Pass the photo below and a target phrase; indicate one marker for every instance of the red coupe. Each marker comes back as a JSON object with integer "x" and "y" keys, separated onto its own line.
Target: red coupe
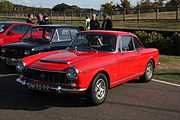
{"x": 94, "y": 62}
{"x": 11, "y": 32}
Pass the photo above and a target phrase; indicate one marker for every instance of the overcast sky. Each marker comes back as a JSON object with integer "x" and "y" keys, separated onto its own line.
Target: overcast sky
{"x": 81, "y": 3}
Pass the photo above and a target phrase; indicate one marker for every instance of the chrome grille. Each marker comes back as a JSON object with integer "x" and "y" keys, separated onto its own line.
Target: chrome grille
{"x": 46, "y": 76}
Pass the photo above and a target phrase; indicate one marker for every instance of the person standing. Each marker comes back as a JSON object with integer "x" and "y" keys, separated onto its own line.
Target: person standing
{"x": 94, "y": 24}
{"x": 107, "y": 23}
{"x": 87, "y": 23}
{"x": 30, "y": 18}
{"x": 40, "y": 19}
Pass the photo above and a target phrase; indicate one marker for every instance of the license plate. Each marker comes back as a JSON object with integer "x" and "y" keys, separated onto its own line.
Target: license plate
{"x": 11, "y": 61}
{"x": 38, "y": 86}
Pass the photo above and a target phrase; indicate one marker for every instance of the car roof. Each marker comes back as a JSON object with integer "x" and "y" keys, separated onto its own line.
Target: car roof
{"x": 108, "y": 32}
{"x": 57, "y": 26}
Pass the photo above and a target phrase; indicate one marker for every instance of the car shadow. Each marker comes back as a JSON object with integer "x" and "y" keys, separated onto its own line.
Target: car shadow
{"x": 15, "y": 97}
{"x": 135, "y": 81}
{"x": 5, "y": 70}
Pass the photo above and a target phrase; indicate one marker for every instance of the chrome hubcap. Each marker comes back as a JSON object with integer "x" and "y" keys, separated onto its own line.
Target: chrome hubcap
{"x": 100, "y": 89}
{"x": 149, "y": 70}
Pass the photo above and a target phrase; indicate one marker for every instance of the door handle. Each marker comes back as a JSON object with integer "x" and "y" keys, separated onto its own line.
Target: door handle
{"x": 137, "y": 53}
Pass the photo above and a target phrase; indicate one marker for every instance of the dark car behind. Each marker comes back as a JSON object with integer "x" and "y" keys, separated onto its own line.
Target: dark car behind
{"x": 39, "y": 39}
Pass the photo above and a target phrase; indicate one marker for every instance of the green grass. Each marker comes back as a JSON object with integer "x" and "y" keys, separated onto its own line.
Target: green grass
{"x": 142, "y": 25}
{"x": 169, "y": 70}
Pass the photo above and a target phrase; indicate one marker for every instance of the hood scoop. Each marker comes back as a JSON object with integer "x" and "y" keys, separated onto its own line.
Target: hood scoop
{"x": 54, "y": 61}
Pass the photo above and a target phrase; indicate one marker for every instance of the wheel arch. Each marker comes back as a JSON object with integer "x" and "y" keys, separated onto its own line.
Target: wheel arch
{"x": 105, "y": 73}
{"x": 151, "y": 59}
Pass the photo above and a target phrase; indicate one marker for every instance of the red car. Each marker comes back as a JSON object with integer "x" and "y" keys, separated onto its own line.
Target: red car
{"x": 94, "y": 62}
{"x": 11, "y": 32}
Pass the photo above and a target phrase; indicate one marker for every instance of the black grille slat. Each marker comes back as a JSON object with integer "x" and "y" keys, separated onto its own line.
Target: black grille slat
{"x": 45, "y": 76}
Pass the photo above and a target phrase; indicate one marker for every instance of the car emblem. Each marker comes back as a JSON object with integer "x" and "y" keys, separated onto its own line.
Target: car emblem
{"x": 43, "y": 76}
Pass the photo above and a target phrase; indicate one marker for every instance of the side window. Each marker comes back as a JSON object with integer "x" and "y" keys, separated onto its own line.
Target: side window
{"x": 19, "y": 29}
{"x": 127, "y": 43}
{"x": 64, "y": 35}
{"x": 73, "y": 32}
{"x": 138, "y": 44}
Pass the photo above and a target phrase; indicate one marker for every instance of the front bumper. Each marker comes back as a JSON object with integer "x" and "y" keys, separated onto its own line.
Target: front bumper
{"x": 58, "y": 89}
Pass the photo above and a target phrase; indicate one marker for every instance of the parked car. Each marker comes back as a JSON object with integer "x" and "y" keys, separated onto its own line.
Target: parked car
{"x": 38, "y": 39}
{"x": 94, "y": 62}
{"x": 11, "y": 32}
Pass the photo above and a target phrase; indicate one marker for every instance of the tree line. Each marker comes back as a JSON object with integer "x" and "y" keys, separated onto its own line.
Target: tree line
{"x": 126, "y": 4}
{"x": 6, "y": 6}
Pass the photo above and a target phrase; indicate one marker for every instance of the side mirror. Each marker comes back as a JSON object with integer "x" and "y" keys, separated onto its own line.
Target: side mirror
{"x": 11, "y": 33}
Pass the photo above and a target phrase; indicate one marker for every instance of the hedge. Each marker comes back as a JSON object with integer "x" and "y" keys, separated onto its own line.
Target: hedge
{"x": 166, "y": 45}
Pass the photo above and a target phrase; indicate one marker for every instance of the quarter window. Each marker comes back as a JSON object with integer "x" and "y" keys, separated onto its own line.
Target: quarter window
{"x": 64, "y": 35}
{"x": 73, "y": 32}
{"x": 138, "y": 44}
{"x": 127, "y": 43}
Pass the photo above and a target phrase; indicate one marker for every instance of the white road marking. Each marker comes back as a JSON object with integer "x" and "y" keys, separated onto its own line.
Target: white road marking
{"x": 177, "y": 85}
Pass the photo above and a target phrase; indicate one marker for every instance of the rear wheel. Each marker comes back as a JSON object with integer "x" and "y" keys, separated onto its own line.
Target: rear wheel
{"x": 147, "y": 76}
{"x": 98, "y": 90}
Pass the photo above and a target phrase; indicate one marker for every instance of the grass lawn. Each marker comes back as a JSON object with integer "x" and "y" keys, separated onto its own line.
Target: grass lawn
{"x": 161, "y": 25}
{"x": 169, "y": 70}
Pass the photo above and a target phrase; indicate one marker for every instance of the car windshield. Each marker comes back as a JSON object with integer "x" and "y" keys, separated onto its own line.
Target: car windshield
{"x": 39, "y": 34}
{"x": 94, "y": 42}
{"x": 3, "y": 27}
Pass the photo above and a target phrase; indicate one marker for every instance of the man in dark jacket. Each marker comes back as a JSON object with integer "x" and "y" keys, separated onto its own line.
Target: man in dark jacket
{"x": 30, "y": 17}
{"x": 107, "y": 23}
{"x": 40, "y": 19}
{"x": 94, "y": 24}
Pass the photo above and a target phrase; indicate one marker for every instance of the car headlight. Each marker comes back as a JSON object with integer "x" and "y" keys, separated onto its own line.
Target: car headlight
{"x": 20, "y": 66}
{"x": 27, "y": 52}
{"x": 72, "y": 73}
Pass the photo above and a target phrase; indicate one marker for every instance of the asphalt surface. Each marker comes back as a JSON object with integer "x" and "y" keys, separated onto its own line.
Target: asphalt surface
{"x": 129, "y": 101}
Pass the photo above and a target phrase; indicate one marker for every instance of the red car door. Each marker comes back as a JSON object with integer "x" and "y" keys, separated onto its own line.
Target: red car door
{"x": 127, "y": 59}
{"x": 141, "y": 57}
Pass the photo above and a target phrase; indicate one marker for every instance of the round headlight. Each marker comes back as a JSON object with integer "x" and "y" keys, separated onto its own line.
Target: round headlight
{"x": 21, "y": 66}
{"x": 72, "y": 73}
{"x": 27, "y": 52}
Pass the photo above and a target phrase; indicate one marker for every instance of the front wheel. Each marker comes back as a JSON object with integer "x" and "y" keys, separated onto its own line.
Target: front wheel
{"x": 147, "y": 76}
{"x": 98, "y": 89}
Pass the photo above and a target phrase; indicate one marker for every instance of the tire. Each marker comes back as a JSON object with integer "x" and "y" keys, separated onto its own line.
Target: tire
{"x": 98, "y": 89}
{"x": 147, "y": 76}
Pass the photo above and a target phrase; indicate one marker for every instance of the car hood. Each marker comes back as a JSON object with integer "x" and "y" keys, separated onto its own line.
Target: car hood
{"x": 61, "y": 60}
{"x": 22, "y": 45}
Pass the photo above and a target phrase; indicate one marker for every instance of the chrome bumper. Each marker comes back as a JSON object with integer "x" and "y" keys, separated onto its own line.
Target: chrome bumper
{"x": 58, "y": 89}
